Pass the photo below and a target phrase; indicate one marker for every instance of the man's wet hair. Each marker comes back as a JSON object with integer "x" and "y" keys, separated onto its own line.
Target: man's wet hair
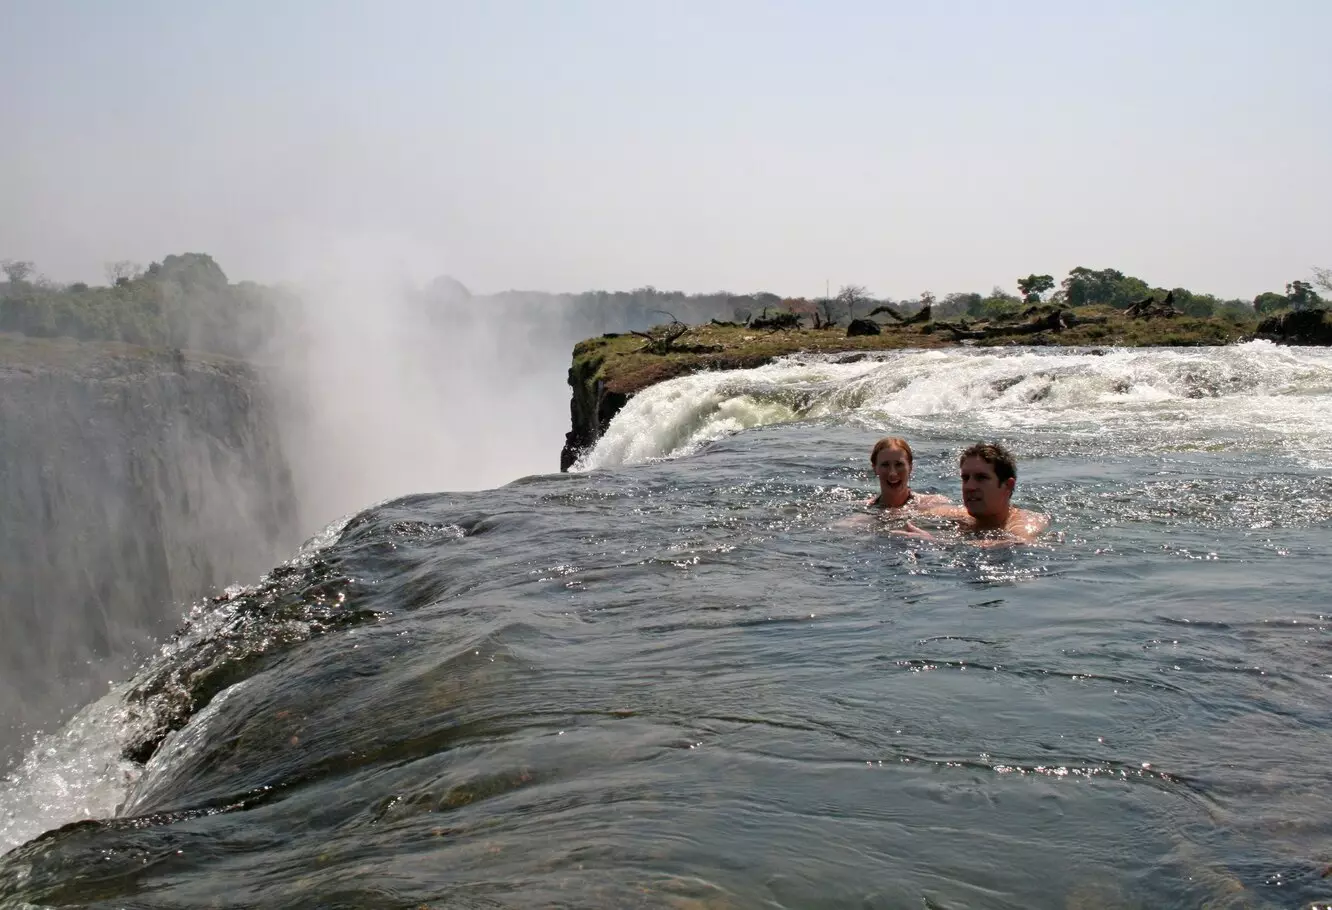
{"x": 996, "y": 456}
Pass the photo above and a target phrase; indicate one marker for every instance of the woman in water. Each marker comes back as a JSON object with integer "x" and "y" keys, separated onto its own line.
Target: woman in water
{"x": 892, "y": 462}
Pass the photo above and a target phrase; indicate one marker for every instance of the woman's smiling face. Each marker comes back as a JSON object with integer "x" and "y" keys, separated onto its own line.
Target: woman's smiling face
{"x": 893, "y": 468}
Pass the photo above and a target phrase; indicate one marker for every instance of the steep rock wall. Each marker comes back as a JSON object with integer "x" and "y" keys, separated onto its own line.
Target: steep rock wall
{"x": 132, "y": 483}
{"x": 1298, "y": 327}
{"x": 591, "y": 407}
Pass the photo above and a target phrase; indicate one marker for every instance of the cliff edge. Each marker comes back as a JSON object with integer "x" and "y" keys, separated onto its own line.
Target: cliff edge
{"x": 133, "y": 481}
{"x": 608, "y": 370}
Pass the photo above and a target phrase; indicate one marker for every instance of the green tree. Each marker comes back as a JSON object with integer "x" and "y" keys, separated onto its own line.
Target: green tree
{"x": 1235, "y": 311}
{"x": 1105, "y": 287}
{"x": 1000, "y": 304}
{"x": 1302, "y": 296}
{"x": 190, "y": 270}
{"x": 1191, "y": 304}
{"x": 1269, "y": 301}
{"x": 16, "y": 270}
{"x": 958, "y": 304}
{"x": 1033, "y": 286}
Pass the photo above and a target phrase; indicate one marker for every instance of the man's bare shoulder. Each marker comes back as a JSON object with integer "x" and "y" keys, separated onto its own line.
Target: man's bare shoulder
{"x": 1027, "y": 524}
{"x": 945, "y": 509}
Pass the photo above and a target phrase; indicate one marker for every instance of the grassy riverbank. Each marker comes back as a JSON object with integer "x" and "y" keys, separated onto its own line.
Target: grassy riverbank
{"x": 625, "y": 363}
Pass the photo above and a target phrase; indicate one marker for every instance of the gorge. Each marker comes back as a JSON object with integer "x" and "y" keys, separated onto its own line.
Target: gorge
{"x": 134, "y": 481}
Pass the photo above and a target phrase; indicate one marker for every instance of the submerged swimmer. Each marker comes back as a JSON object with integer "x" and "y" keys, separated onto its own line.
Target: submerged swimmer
{"x": 892, "y": 461}
{"x": 989, "y": 474}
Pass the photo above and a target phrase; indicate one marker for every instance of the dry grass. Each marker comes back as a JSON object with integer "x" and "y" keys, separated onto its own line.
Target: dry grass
{"x": 618, "y": 361}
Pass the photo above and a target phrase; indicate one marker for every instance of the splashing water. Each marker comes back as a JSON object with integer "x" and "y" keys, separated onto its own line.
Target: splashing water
{"x": 1255, "y": 394}
{"x": 713, "y": 677}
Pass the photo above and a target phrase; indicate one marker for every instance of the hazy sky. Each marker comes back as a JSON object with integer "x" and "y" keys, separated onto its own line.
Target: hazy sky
{"x": 700, "y": 146}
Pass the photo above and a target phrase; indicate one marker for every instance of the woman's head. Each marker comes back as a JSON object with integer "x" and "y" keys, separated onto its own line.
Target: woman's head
{"x": 892, "y": 461}
{"x": 891, "y": 442}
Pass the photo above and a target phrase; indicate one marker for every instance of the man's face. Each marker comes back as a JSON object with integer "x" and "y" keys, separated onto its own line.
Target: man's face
{"x": 982, "y": 493}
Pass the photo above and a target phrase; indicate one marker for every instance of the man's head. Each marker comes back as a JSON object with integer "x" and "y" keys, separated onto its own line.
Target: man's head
{"x": 988, "y": 477}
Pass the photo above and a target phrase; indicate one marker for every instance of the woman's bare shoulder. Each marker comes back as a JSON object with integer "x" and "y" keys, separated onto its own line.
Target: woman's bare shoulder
{"x": 941, "y": 507}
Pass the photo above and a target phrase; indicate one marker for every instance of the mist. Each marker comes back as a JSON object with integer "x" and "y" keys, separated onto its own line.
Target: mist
{"x": 134, "y": 483}
{"x": 138, "y": 482}
{"x": 355, "y": 157}
{"x": 389, "y": 386}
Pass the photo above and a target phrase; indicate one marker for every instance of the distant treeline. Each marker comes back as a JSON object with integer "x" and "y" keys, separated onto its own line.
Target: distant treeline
{"x": 181, "y": 302}
{"x": 186, "y": 301}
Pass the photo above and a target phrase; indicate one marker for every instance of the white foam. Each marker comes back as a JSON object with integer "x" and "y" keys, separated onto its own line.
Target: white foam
{"x": 79, "y": 771}
{"x": 73, "y": 774}
{"x": 1152, "y": 397}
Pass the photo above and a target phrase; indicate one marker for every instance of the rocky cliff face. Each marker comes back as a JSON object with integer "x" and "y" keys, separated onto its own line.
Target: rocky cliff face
{"x": 591, "y": 407}
{"x": 132, "y": 483}
{"x": 1298, "y": 327}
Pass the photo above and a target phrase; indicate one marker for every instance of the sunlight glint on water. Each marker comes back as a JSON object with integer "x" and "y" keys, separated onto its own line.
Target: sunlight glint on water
{"x": 698, "y": 672}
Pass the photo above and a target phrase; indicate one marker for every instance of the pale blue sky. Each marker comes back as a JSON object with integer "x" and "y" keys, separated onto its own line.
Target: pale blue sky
{"x": 700, "y": 146}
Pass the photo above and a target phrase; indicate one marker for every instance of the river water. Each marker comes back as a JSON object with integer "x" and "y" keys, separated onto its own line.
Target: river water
{"x": 695, "y": 672}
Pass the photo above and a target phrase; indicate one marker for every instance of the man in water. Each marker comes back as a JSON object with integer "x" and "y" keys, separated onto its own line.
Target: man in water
{"x": 989, "y": 475}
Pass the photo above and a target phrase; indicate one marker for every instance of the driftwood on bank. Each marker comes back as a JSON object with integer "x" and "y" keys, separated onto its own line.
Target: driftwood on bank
{"x": 780, "y": 321}
{"x": 661, "y": 338}
{"x": 1055, "y": 321}
{"x": 887, "y": 310}
{"x": 925, "y": 314}
{"x": 1148, "y": 308}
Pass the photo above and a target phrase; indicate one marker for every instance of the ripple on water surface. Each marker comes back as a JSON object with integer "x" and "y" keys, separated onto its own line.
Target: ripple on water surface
{"x": 714, "y": 681}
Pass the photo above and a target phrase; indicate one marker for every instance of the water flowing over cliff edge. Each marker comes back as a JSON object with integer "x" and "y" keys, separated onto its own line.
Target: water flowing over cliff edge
{"x": 695, "y": 671}
{"x": 609, "y": 370}
{"x": 132, "y": 482}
